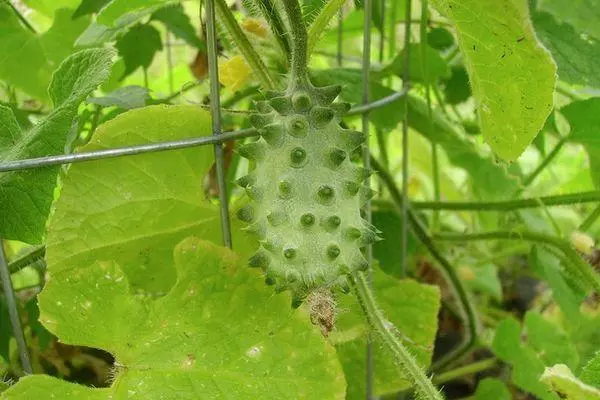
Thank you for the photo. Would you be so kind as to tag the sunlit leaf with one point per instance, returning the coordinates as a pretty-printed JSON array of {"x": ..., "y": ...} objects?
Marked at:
[{"x": 511, "y": 74}]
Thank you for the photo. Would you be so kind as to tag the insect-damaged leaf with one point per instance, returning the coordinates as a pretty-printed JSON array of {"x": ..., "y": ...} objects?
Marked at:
[
  {"x": 511, "y": 74},
  {"x": 218, "y": 333}
]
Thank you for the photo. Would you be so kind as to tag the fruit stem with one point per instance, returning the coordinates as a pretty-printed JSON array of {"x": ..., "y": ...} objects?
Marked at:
[
  {"x": 300, "y": 39},
  {"x": 386, "y": 331}
]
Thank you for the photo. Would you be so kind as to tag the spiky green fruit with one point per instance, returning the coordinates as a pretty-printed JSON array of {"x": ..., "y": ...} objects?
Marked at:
[{"x": 306, "y": 193}]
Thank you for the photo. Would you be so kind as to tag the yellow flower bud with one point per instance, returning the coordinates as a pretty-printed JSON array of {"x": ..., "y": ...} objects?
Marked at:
[
  {"x": 256, "y": 27},
  {"x": 582, "y": 242},
  {"x": 234, "y": 73}
]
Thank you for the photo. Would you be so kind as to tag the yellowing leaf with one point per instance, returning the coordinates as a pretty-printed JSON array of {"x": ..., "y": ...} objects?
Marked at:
[
  {"x": 511, "y": 74},
  {"x": 234, "y": 72}
]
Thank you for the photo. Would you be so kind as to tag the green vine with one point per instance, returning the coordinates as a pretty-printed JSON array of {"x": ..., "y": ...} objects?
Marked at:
[
  {"x": 386, "y": 331},
  {"x": 577, "y": 265},
  {"x": 244, "y": 45}
]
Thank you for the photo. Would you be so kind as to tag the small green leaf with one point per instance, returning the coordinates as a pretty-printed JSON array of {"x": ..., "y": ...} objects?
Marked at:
[
  {"x": 126, "y": 97},
  {"x": 491, "y": 388},
  {"x": 219, "y": 333},
  {"x": 29, "y": 194},
  {"x": 584, "y": 118},
  {"x": 29, "y": 59},
  {"x": 437, "y": 68},
  {"x": 512, "y": 75},
  {"x": 178, "y": 22},
  {"x": 440, "y": 38},
  {"x": 561, "y": 381},
  {"x": 457, "y": 89},
  {"x": 414, "y": 314},
  {"x": 482, "y": 278},
  {"x": 138, "y": 47},
  {"x": 387, "y": 251}
]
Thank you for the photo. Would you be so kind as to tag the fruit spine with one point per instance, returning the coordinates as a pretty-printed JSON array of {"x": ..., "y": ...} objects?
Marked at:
[{"x": 306, "y": 193}]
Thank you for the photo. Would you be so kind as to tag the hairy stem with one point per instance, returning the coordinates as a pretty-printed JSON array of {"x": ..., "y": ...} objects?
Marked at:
[
  {"x": 577, "y": 265},
  {"x": 386, "y": 332},
  {"x": 319, "y": 25},
  {"x": 34, "y": 254},
  {"x": 21, "y": 17},
  {"x": 299, "y": 35},
  {"x": 244, "y": 45},
  {"x": 460, "y": 292},
  {"x": 271, "y": 15}
]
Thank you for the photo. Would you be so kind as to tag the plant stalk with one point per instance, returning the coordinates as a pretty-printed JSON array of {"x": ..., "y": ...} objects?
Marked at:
[{"x": 386, "y": 332}]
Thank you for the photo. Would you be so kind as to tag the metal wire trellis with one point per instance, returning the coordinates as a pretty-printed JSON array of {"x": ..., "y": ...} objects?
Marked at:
[{"x": 217, "y": 139}]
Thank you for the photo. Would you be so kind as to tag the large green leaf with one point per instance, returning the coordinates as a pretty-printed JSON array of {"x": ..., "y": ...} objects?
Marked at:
[
  {"x": 178, "y": 22},
  {"x": 412, "y": 308},
  {"x": 137, "y": 207},
  {"x": 545, "y": 345},
  {"x": 511, "y": 74},
  {"x": 218, "y": 334},
  {"x": 49, "y": 7},
  {"x": 581, "y": 14},
  {"x": 584, "y": 118},
  {"x": 27, "y": 195},
  {"x": 591, "y": 371},
  {"x": 577, "y": 57},
  {"x": 28, "y": 59}
]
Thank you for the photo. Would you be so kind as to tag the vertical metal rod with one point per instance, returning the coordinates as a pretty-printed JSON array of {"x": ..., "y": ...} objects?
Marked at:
[
  {"x": 340, "y": 37},
  {"x": 215, "y": 109},
  {"x": 169, "y": 63},
  {"x": 13, "y": 312},
  {"x": 405, "y": 150},
  {"x": 366, "y": 65}
]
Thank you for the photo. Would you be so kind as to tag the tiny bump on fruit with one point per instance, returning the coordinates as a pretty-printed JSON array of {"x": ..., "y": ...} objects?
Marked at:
[
  {"x": 327, "y": 94},
  {"x": 321, "y": 116},
  {"x": 254, "y": 192},
  {"x": 252, "y": 151},
  {"x": 263, "y": 106},
  {"x": 333, "y": 251},
  {"x": 352, "y": 233},
  {"x": 260, "y": 120},
  {"x": 260, "y": 259},
  {"x": 282, "y": 104},
  {"x": 307, "y": 219},
  {"x": 246, "y": 213},
  {"x": 298, "y": 126},
  {"x": 331, "y": 223},
  {"x": 351, "y": 188},
  {"x": 273, "y": 134},
  {"x": 284, "y": 189},
  {"x": 325, "y": 194},
  {"x": 290, "y": 253},
  {"x": 298, "y": 157},
  {"x": 301, "y": 102},
  {"x": 359, "y": 263},
  {"x": 277, "y": 218},
  {"x": 269, "y": 94},
  {"x": 246, "y": 180},
  {"x": 335, "y": 157},
  {"x": 351, "y": 139},
  {"x": 343, "y": 285},
  {"x": 340, "y": 109},
  {"x": 257, "y": 228}
]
